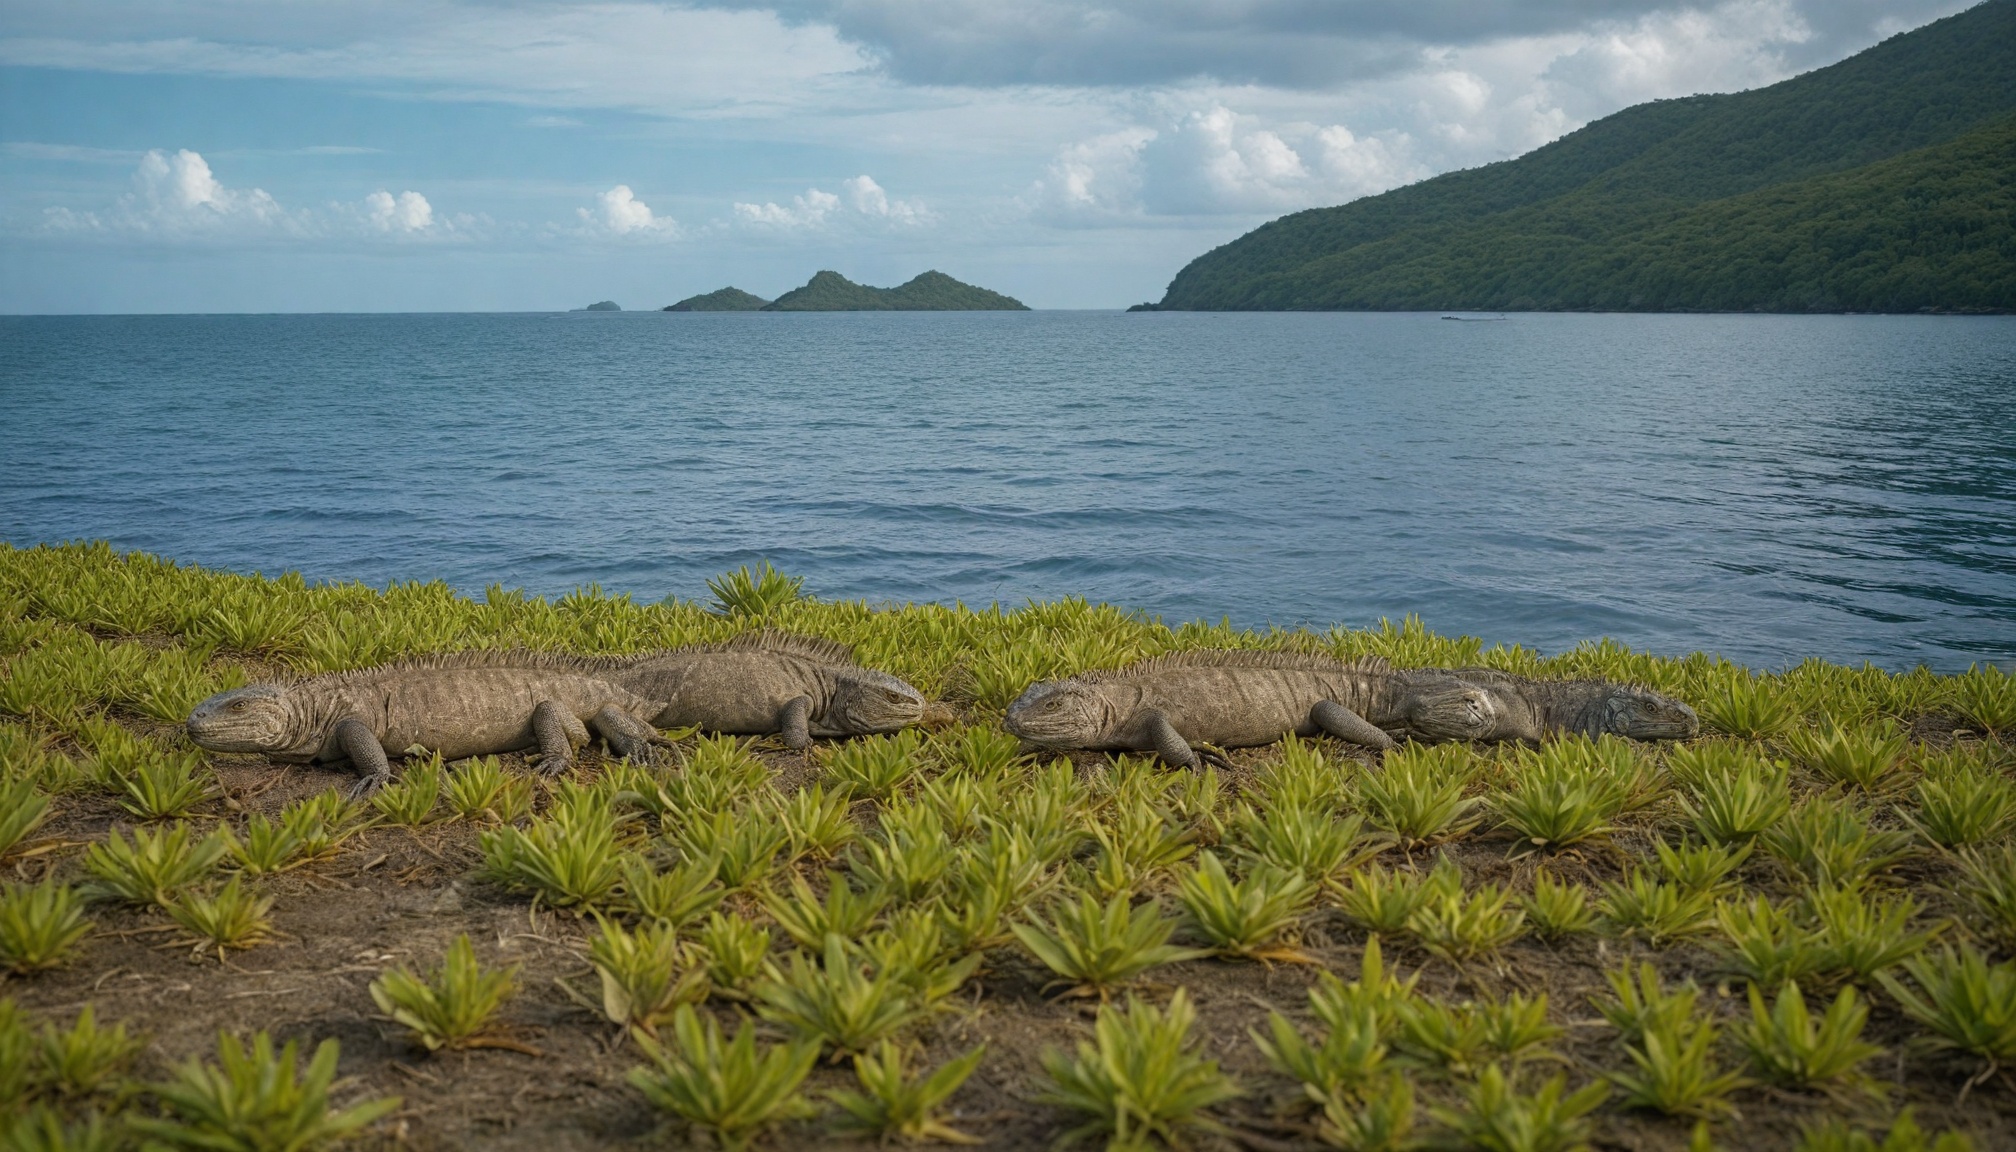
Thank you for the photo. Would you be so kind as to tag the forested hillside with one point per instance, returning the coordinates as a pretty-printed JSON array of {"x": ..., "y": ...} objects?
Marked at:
[
  {"x": 930, "y": 292},
  {"x": 1882, "y": 183}
]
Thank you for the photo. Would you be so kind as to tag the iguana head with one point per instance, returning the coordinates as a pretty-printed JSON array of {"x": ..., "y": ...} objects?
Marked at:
[
  {"x": 1057, "y": 714},
  {"x": 870, "y": 701},
  {"x": 1462, "y": 711},
  {"x": 1640, "y": 714},
  {"x": 258, "y": 718}
]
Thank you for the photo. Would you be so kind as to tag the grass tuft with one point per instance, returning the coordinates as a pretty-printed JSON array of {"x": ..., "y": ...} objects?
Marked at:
[
  {"x": 84, "y": 1059},
  {"x": 735, "y": 951},
  {"x": 1139, "y": 1079},
  {"x": 410, "y": 800},
  {"x": 1499, "y": 1119},
  {"x": 754, "y": 593},
  {"x": 1654, "y": 910},
  {"x": 231, "y": 917},
  {"x": 1253, "y": 918},
  {"x": 1458, "y": 927},
  {"x": 1870, "y": 760},
  {"x": 1418, "y": 795},
  {"x": 23, "y": 809},
  {"x": 893, "y": 1103},
  {"x": 1094, "y": 946},
  {"x": 645, "y": 975},
  {"x": 1968, "y": 1003},
  {"x": 1733, "y": 795},
  {"x": 253, "y": 1100},
  {"x": 40, "y": 925},
  {"x": 1830, "y": 842},
  {"x": 841, "y": 1002},
  {"x": 1789, "y": 1047},
  {"x": 456, "y": 1007},
  {"x": 1961, "y": 802},
  {"x": 729, "y": 1088},
  {"x": 1383, "y": 902},
  {"x": 1558, "y": 909},
  {"x": 154, "y": 865},
  {"x": 480, "y": 791},
  {"x": 674, "y": 898},
  {"x": 1750, "y": 708}
]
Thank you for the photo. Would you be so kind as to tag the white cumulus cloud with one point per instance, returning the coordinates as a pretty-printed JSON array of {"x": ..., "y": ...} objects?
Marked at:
[
  {"x": 407, "y": 212},
  {"x": 866, "y": 205},
  {"x": 1215, "y": 161},
  {"x": 618, "y": 212},
  {"x": 175, "y": 197}
]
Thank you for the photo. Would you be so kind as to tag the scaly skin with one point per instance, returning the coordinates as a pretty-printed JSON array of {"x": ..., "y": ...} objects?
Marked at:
[
  {"x": 1235, "y": 699},
  {"x": 465, "y": 704},
  {"x": 765, "y": 683},
  {"x": 1531, "y": 709}
]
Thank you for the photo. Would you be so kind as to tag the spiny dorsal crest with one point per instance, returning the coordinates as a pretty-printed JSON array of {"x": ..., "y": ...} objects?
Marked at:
[
  {"x": 815, "y": 648},
  {"x": 478, "y": 658},
  {"x": 1238, "y": 658}
]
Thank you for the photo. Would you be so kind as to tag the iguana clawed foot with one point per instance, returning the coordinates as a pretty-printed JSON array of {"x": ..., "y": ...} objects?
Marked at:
[
  {"x": 365, "y": 788},
  {"x": 1206, "y": 754}
]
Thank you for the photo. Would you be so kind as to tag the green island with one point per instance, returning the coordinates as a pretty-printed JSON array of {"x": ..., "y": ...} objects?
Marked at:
[
  {"x": 729, "y": 299},
  {"x": 1792, "y": 931},
  {"x": 1883, "y": 183},
  {"x": 831, "y": 292}
]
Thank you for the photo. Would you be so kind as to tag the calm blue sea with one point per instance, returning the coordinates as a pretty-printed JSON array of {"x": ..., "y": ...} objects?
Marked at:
[{"x": 1768, "y": 487}]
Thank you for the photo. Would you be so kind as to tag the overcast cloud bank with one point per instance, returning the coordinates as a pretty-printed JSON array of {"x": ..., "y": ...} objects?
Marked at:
[{"x": 1011, "y": 128}]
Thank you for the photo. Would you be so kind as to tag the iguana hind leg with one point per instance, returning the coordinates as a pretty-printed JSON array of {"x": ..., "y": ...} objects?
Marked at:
[
  {"x": 1345, "y": 724},
  {"x": 559, "y": 733},
  {"x": 366, "y": 755},
  {"x": 1172, "y": 748},
  {"x": 626, "y": 735},
  {"x": 795, "y": 723}
]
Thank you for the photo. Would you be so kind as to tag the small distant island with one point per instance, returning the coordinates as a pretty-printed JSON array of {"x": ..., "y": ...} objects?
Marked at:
[
  {"x": 831, "y": 292},
  {"x": 602, "y": 306}
]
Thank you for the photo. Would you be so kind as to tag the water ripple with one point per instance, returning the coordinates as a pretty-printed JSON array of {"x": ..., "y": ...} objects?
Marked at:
[{"x": 1766, "y": 487}]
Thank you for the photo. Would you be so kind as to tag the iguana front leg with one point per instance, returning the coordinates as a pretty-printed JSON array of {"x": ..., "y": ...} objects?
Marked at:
[
  {"x": 559, "y": 733},
  {"x": 794, "y": 723},
  {"x": 361, "y": 747},
  {"x": 626, "y": 735},
  {"x": 1347, "y": 725},
  {"x": 1169, "y": 744}
]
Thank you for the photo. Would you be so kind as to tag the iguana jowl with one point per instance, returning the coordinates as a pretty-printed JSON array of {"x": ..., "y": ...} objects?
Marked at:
[
  {"x": 461, "y": 704},
  {"x": 1236, "y": 699}
]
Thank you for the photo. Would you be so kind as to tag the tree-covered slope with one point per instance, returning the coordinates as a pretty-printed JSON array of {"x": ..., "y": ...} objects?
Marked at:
[
  {"x": 1663, "y": 206},
  {"x": 720, "y": 300},
  {"x": 930, "y": 292}
]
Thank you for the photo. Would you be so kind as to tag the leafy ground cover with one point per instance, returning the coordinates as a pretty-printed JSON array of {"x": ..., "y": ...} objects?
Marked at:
[{"x": 1795, "y": 932}]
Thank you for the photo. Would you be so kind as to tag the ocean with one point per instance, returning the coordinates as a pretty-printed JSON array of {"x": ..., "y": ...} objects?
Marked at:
[{"x": 1770, "y": 488}]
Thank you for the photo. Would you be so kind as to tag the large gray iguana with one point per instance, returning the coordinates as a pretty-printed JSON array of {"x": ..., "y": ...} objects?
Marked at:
[
  {"x": 475, "y": 703},
  {"x": 1235, "y": 699},
  {"x": 460, "y": 704},
  {"x": 768, "y": 682}
]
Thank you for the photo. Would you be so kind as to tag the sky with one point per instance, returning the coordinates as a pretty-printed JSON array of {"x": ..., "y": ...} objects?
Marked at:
[{"x": 471, "y": 155}]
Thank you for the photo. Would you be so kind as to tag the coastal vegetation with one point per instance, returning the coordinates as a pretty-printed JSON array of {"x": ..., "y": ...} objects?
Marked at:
[
  {"x": 832, "y": 292},
  {"x": 1797, "y": 931},
  {"x": 729, "y": 299},
  {"x": 1883, "y": 183},
  {"x": 930, "y": 292}
]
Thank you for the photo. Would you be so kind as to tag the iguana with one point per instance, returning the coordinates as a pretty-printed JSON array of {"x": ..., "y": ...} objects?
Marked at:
[
  {"x": 768, "y": 682},
  {"x": 1236, "y": 699},
  {"x": 1529, "y": 709},
  {"x": 460, "y": 704}
]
